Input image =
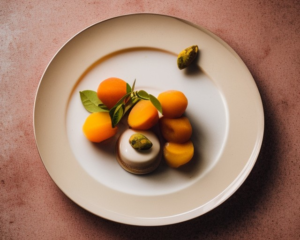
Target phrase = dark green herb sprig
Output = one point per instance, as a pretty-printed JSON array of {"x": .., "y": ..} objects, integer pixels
[
  {"x": 92, "y": 103},
  {"x": 128, "y": 101}
]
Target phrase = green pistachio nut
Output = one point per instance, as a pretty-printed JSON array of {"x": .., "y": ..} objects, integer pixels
[
  {"x": 140, "y": 142},
  {"x": 187, "y": 56}
]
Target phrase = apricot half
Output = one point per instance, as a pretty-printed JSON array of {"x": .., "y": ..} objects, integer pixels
[
  {"x": 111, "y": 90},
  {"x": 173, "y": 103},
  {"x": 178, "y": 154},
  {"x": 178, "y": 130},
  {"x": 143, "y": 115},
  {"x": 97, "y": 127}
]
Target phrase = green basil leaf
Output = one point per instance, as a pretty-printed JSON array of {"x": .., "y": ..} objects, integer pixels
[
  {"x": 155, "y": 103},
  {"x": 143, "y": 95},
  {"x": 118, "y": 114},
  {"x": 91, "y": 102},
  {"x": 128, "y": 88},
  {"x": 111, "y": 113}
]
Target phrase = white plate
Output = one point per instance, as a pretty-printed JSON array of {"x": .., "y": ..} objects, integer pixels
[{"x": 224, "y": 108}]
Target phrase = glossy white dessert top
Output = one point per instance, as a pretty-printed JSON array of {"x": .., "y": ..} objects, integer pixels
[{"x": 134, "y": 158}]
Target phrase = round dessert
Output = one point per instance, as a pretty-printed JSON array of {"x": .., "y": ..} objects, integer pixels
[{"x": 138, "y": 161}]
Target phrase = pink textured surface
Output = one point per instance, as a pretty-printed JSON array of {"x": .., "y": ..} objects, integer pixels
[{"x": 264, "y": 33}]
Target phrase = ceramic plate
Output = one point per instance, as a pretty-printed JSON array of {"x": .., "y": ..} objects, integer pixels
[{"x": 224, "y": 108}]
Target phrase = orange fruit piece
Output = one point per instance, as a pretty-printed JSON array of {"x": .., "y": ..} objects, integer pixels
[
  {"x": 173, "y": 103},
  {"x": 143, "y": 115},
  {"x": 178, "y": 130},
  {"x": 178, "y": 154},
  {"x": 111, "y": 90},
  {"x": 97, "y": 127}
]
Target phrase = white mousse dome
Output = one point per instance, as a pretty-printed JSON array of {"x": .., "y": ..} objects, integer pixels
[{"x": 138, "y": 161}]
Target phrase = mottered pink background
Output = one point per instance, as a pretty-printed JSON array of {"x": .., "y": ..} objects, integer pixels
[{"x": 266, "y": 34}]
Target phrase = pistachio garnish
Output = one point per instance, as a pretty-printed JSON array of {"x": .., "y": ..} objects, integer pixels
[
  {"x": 140, "y": 142},
  {"x": 187, "y": 56}
]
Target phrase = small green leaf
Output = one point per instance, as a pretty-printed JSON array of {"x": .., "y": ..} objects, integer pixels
[
  {"x": 130, "y": 104},
  {"x": 132, "y": 88},
  {"x": 156, "y": 103},
  {"x": 91, "y": 102},
  {"x": 111, "y": 112},
  {"x": 115, "y": 108},
  {"x": 143, "y": 94},
  {"x": 128, "y": 88},
  {"x": 118, "y": 114}
]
